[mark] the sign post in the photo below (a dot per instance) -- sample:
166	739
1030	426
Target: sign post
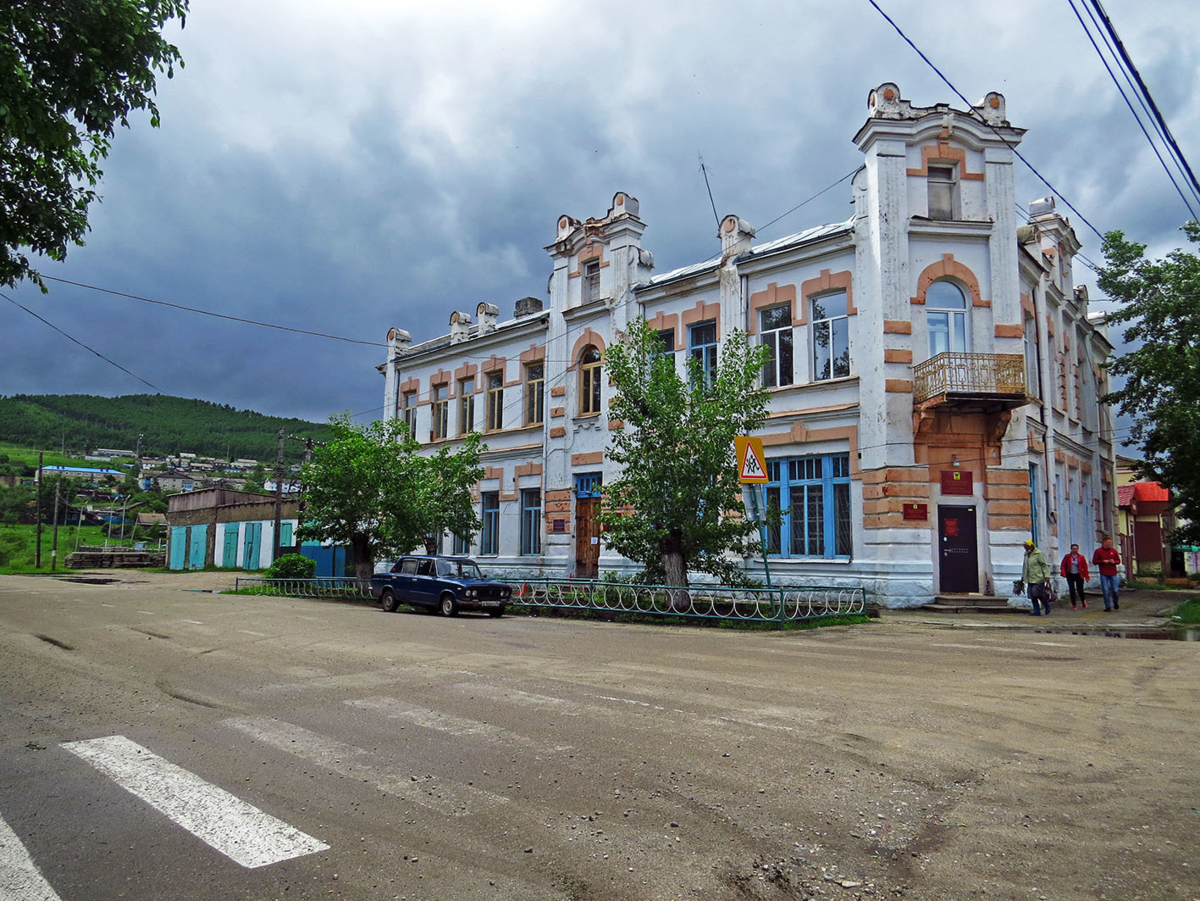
752	472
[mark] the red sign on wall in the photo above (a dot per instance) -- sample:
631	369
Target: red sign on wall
957	481
916	511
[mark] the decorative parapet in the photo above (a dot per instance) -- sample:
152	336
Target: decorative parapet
971	376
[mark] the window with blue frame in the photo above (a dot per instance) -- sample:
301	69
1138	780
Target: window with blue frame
489	536
703	341
531	521
462	545
587	484
808	506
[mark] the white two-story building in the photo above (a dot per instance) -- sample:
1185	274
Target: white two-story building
935	379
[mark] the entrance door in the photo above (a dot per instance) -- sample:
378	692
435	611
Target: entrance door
587	538
958	554
198	547
253	539
229	550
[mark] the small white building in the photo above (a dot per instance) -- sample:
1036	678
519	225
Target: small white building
935	379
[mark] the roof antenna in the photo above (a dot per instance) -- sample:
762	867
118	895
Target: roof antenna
704	169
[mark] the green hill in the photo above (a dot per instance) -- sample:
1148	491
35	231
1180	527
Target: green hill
168	425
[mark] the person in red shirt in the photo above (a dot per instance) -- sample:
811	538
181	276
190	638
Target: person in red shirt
1074	570
1108	559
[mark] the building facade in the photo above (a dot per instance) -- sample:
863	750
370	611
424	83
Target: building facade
225	528
934	382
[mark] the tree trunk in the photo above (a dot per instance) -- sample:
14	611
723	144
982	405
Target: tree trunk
430	545
360	550
675	570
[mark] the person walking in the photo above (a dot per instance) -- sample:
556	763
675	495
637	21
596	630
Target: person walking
1074	570
1108	558
1036	576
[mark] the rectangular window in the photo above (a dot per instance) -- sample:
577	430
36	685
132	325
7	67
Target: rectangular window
703	337
776	327
830	336
808	506
489	537
466	406
531	521
408	406
1033	502
1033	369
535	394
666	342
495	401
589	382
941	192
591	280
462	545
440	408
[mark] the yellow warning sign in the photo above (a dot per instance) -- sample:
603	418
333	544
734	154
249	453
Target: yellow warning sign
752	461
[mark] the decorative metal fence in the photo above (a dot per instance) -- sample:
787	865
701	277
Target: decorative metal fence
324	587
782	604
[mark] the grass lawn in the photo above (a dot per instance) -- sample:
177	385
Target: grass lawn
18	544
1188	611
51	458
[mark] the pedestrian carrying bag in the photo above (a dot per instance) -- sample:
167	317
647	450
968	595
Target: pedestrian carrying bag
1051	593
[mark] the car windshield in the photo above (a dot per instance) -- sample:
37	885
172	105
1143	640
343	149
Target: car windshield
459	569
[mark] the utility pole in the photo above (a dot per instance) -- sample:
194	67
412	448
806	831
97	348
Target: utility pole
37	557
54	542
278	494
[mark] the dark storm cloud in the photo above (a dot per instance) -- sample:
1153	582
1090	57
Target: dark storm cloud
346	170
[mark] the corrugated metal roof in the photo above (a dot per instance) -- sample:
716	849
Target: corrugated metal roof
807	236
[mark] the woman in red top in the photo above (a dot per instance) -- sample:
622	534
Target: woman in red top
1075	571
1108	558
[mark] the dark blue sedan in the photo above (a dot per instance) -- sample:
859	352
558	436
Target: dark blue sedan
445	584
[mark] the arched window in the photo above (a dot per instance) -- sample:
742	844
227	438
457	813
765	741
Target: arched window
589	381
946	318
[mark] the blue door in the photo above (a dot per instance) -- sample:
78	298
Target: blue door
253	543
178	547
285	534
197	547
229	554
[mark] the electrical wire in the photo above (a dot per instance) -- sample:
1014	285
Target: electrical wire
197	310
81	344
996	131
1132	111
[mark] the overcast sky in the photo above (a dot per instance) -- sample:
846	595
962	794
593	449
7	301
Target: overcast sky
347	167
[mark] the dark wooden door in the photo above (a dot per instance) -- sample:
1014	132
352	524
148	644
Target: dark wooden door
958	554
587	538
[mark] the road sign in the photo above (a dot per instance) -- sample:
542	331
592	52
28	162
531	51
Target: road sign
752	461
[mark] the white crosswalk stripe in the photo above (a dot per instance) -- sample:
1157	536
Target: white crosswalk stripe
20	879
239	830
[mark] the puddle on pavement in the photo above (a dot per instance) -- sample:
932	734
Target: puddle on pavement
89	580
1148	633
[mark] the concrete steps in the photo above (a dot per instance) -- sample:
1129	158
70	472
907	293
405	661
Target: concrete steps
970	603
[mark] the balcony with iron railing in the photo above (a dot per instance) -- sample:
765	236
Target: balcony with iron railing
984	382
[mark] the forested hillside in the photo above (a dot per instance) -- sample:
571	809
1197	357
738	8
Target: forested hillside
168	425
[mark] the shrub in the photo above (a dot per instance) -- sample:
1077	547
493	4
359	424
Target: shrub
292	566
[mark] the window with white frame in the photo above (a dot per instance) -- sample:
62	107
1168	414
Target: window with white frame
830	336
942	186
531	521
489	535
946	318
466	405
775	328
591	280
808	506
703	340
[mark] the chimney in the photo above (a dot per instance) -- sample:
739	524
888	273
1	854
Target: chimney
736	234
460	327
528	306
398	341
488	313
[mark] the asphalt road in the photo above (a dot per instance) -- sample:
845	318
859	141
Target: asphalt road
162	743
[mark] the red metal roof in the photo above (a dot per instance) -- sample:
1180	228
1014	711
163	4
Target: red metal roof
1142	492
1125	495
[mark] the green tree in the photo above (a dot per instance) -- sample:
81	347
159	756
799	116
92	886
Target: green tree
70	72
670	508
1160	300
370	489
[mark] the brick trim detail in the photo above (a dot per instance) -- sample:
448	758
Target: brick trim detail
948	267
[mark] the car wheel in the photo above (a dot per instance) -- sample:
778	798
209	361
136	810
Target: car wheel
387	601
447	606
496	612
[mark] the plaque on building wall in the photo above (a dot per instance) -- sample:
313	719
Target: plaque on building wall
957	481
560	525
916	511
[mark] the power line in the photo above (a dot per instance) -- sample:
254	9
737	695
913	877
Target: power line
995	130
177	306
1145	91
81	344
1133	112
